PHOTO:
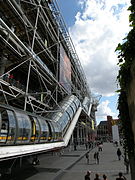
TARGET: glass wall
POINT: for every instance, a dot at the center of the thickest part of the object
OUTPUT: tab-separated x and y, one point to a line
12	127
4	126
35	134
57	131
24	128
7	126
44	135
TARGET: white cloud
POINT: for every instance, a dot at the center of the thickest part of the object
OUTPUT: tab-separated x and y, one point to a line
104	110
99	27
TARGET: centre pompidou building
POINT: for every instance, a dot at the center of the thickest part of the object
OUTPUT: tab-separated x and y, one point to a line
45	101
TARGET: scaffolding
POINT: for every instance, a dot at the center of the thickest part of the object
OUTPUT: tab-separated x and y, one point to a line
33	34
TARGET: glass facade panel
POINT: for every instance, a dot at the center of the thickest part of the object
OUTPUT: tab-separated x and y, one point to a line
70	112
24	128
58	131
35	134
86	104
64	120
77	102
0	120
51	131
4	126
44	130
12	127
73	106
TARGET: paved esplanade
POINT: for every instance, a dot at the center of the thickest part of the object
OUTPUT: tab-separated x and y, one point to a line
73	165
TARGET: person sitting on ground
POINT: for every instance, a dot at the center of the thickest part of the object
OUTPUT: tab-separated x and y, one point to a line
104	177
121	177
97	177
87	176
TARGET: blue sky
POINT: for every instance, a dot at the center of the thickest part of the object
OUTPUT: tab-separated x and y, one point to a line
69	10
96	27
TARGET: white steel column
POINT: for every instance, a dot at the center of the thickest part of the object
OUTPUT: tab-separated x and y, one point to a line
35	27
27	87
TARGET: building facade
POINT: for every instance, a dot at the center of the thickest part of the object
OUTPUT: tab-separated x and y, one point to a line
45	100
104	129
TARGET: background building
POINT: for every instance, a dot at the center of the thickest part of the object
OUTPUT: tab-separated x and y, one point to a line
105	130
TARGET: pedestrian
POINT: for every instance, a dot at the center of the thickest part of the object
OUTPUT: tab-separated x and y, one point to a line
11	79
75	147
104	177
100	147
89	145
97	177
121	177
96	157
119	154
116	143
126	162
5	77
35	161
121	142
87	176
86	145
87	157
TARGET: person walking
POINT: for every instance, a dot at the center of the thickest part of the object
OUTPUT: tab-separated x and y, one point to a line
87	157
121	177
100	147
96	157
116	143
75	146
87	176
126	162
97	177
89	145
119	154
11	79
104	177
86	145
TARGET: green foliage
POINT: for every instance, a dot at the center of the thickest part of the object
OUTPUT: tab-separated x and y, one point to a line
126	125
126	55
132	15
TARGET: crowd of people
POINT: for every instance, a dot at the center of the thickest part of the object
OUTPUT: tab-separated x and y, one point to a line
96	158
96	154
10	78
104	177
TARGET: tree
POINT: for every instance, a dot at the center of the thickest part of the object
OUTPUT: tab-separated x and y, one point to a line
126	56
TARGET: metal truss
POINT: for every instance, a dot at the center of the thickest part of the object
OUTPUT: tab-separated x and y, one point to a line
32	34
